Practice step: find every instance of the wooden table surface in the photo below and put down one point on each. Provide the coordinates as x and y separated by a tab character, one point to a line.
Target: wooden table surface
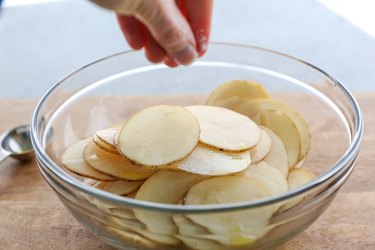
31	216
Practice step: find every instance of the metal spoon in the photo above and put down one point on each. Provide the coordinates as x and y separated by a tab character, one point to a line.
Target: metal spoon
16	143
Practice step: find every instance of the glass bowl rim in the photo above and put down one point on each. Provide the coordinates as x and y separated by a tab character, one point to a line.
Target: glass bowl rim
345	159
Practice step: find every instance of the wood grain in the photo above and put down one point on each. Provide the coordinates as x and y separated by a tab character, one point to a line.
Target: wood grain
31	216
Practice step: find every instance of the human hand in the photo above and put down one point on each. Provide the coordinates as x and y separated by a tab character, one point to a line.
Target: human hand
172	31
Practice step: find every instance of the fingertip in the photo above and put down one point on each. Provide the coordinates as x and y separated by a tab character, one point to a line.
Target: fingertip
154	52
170	62
185	56
152	57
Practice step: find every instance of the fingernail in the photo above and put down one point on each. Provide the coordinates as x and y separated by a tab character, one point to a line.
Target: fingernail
185	56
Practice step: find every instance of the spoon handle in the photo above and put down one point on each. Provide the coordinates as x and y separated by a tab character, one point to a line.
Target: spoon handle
4	154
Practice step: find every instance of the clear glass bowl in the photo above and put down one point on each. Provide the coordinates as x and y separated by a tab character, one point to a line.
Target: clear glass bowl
109	90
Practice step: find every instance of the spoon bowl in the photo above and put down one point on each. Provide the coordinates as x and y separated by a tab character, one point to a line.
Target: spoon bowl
16	143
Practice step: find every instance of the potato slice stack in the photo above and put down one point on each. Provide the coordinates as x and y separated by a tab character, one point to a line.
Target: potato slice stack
240	146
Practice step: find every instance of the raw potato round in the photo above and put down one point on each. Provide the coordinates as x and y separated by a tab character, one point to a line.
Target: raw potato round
205	161
74	161
116	139
256	118
120	187
251	108
300	163
268	176
166	186
104	145
237	88
186	227
277	157
159	136
107	135
262	148
165	239
233	240
229	189
114	165
297	178
284	127
132	194
297	119
139	228
201	244
224	129
258	106
124	213
230	103
131	236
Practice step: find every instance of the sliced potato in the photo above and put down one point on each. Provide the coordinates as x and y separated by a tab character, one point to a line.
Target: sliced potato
74	161
277	157
106	135
132	194
205	161
90	182
262	148
120	187
297	178
230	102
190	229
127	224
256	118
105	206
103	145
123	213
164	239
136	239
201	244
233	240
237	88
101	204
284	127
254	106
300	163
268	176
299	122
139	228
186	227
159	136
166	186
224	129
116	138
229	189
114	165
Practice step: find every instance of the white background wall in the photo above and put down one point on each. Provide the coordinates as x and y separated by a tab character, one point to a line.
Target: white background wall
40	43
